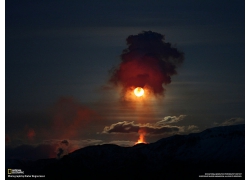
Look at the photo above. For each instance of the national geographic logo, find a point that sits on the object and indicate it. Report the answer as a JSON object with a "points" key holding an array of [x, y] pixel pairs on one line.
{"points": [[15, 171]]}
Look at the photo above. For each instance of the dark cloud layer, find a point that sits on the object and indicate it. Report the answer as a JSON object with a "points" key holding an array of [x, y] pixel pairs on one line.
{"points": [[148, 61]]}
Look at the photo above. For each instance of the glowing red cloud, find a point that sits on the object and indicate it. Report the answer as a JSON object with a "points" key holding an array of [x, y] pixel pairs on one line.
{"points": [[31, 134], [147, 61], [70, 117]]}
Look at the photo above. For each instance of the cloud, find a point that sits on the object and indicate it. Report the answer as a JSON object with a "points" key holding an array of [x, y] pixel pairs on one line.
{"points": [[232, 121], [192, 128], [66, 118], [122, 127], [158, 128], [148, 61], [131, 127], [31, 134], [171, 119], [70, 117]]}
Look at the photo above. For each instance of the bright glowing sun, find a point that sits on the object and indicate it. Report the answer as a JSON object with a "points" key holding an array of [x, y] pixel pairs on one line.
{"points": [[139, 91]]}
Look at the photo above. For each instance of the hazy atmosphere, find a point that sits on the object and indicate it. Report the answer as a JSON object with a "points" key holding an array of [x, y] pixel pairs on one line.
{"points": [[71, 68]]}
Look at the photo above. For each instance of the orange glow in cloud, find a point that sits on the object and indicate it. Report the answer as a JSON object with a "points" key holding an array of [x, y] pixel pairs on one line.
{"points": [[147, 61]]}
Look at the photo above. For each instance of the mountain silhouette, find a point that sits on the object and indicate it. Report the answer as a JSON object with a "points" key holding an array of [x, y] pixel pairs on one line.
{"points": [[215, 150]]}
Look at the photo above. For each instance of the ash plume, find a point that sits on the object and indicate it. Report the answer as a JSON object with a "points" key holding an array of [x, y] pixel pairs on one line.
{"points": [[148, 61]]}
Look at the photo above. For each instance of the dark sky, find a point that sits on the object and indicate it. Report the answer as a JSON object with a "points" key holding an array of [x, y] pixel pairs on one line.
{"points": [[58, 55]]}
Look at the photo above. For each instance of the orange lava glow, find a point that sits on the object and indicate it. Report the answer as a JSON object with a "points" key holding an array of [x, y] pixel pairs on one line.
{"points": [[141, 138]]}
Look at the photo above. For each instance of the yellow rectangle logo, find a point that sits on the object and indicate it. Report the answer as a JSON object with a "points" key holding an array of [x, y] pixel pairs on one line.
{"points": [[9, 171]]}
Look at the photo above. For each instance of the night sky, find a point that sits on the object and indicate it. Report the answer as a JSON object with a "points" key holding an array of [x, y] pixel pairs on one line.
{"points": [[59, 57]]}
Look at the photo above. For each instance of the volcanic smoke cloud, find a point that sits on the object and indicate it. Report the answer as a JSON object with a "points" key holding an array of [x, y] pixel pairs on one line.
{"points": [[148, 61]]}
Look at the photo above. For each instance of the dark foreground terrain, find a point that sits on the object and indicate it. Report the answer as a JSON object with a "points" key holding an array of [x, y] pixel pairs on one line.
{"points": [[215, 150]]}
